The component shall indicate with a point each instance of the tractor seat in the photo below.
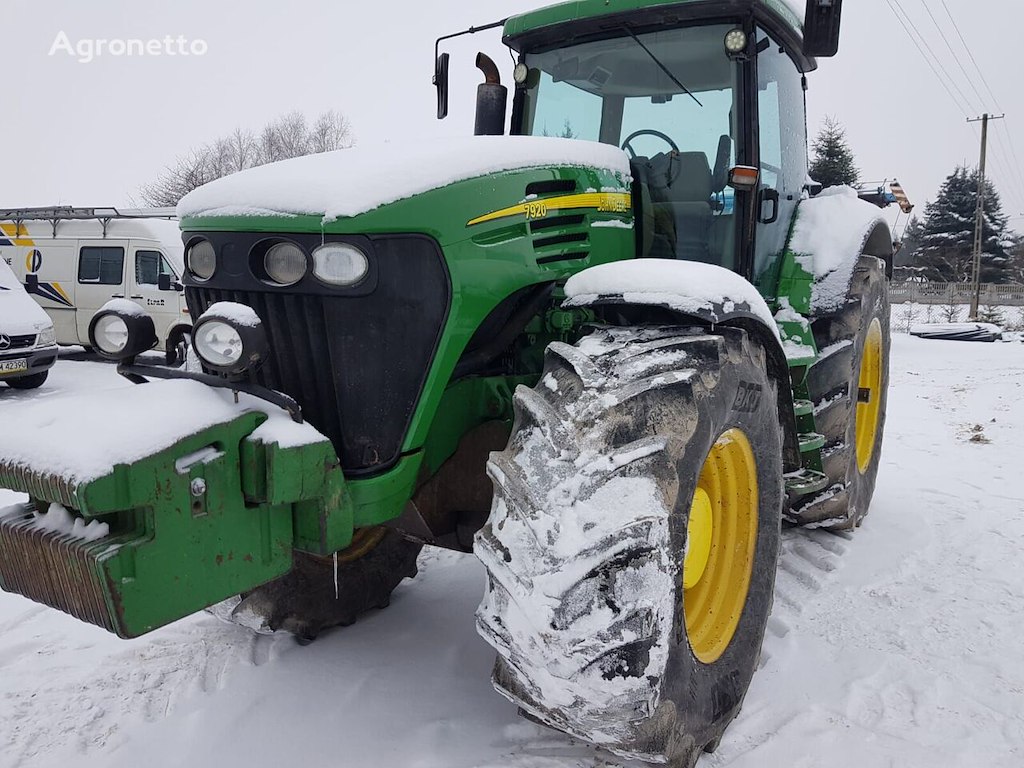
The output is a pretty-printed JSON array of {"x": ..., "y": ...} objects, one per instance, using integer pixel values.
[{"x": 684, "y": 203}]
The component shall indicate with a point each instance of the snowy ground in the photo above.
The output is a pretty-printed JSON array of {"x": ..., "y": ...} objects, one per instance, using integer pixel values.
[{"x": 899, "y": 646}]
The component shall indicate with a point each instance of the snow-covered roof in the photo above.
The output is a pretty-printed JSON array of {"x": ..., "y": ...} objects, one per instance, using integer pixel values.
[{"x": 348, "y": 182}]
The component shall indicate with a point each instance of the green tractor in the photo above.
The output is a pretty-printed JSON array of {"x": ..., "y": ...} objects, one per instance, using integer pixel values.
[{"x": 610, "y": 365}]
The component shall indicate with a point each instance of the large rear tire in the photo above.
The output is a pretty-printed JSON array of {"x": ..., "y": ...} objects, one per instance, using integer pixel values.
[
  {"x": 633, "y": 538},
  {"x": 849, "y": 386}
]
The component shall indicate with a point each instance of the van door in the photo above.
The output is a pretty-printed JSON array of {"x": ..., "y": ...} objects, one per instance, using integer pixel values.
[
  {"x": 149, "y": 263},
  {"x": 101, "y": 277}
]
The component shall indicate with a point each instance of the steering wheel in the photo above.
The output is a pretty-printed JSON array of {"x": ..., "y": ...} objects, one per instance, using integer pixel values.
[{"x": 647, "y": 132}]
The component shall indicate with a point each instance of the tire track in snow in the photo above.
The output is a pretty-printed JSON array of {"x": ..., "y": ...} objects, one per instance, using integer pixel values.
[{"x": 84, "y": 709}]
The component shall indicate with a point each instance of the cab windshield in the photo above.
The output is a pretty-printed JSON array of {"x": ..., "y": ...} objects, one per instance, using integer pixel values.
[{"x": 668, "y": 98}]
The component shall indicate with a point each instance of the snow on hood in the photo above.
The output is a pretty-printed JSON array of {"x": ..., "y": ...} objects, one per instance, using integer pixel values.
[
  {"x": 348, "y": 182},
  {"x": 831, "y": 231},
  {"x": 81, "y": 436},
  {"x": 685, "y": 286},
  {"x": 19, "y": 313}
]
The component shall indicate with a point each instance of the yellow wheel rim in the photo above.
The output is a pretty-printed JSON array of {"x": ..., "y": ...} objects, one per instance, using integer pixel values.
[
  {"x": 721, "y": 541},
  {"x": 869, "y": 396}
]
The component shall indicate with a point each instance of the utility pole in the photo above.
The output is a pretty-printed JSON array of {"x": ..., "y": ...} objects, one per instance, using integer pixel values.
[{"x": 979, "y": 215}]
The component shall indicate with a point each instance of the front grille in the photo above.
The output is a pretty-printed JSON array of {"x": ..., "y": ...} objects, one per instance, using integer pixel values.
[
  {"x": 299, "y": 363},
  {"x": 19, "y": 342},
  {"x": 354, "y": 360}
]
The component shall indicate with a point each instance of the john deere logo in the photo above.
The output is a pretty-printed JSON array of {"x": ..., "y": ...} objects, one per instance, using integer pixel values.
[
  {"x": 34, "y": 260},
  {"x": 5, "y": 342}
]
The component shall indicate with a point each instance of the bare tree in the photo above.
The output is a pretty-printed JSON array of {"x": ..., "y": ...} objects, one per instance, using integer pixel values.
[
  {"x": 283, "y": 138},
  {"x": 331, "y": 131}
]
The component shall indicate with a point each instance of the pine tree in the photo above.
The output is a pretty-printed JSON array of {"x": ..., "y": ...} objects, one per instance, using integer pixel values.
[
  {"x": 1015, "y": 267},
  {"x": 833, "y": 162},
  {"x": 945, "y": 253}
]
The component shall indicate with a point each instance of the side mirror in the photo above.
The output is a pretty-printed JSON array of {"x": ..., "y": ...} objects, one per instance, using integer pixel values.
[
  {"x": 821, "y": 27},
  {"x": 164, "y": 283},
  {"x": 31, "y": 282},
  {"x": 441, "y": 83}
]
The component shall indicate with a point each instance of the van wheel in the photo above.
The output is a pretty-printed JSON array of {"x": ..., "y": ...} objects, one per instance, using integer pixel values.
[{"x": 28, "y": 382}]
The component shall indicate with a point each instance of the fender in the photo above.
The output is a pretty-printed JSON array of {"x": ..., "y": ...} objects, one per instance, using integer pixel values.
[
  {"x": 670, "y": 292},
  {"x": 831, "y": 232}
]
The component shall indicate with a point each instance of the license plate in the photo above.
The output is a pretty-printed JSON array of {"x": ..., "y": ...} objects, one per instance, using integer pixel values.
[{"x": 13, "y": 366}]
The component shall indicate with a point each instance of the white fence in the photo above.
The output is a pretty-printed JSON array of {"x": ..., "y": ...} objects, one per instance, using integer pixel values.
[{"x": 903, "y": 292}]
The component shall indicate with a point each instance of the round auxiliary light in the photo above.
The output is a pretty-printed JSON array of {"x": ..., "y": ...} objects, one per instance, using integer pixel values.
[
  {"x": 340, "y": 264},
  {"x": 285, "y": 263},
  {"x": 520, "y": 73},
  {"x": 202, "y": 260},
  {"x": 229, "y": 338},
  {"x": 121, "y": 330},
  {"x": 735, "y": 41},
  {"x": 111, "y": 334},
  {"x": 218, "y": 344}
]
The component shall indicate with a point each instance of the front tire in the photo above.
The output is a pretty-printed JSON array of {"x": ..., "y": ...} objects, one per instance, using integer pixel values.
[
  {"x": 28, "y": 382},
  {"x": 324, "y": 592},
  {"x": 633, "y": 539}
]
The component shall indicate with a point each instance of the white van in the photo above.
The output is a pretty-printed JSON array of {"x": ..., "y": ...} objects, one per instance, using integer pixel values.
[
  {"x": 75, "y": 260},
  {"x": 28, "y": 348}
]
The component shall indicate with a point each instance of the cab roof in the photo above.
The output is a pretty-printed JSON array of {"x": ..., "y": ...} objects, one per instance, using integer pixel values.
[{"x": 580, "y": 20}]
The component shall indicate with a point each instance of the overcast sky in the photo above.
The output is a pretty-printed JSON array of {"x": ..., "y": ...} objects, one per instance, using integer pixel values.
[{"x": 93, "y": 133}]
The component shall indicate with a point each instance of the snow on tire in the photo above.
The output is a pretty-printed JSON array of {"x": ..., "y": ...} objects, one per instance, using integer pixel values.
[
  {"x": 589, "y": 529},
  {"x": 834, "y": 383}
]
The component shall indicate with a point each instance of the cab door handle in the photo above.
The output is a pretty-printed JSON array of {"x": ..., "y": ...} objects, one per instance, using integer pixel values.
[
  {"x": 138, "y": 297},
  {"x": 117, "y": 295}
]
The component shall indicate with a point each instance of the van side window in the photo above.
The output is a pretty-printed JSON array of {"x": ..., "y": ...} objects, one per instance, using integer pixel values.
[
  {"x": 149, "y": 265},
  {"x": 101, "y": 264}
]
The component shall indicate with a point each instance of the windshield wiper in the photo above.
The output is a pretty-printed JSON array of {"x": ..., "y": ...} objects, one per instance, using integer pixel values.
[{"x": 663, "y": 67}]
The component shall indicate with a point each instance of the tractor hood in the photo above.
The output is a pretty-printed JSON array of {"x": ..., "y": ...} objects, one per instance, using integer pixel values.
[{"x": 350, "y": 182}]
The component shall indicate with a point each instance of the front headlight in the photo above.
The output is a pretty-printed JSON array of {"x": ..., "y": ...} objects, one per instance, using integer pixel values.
[
  {"x": 340, "y": 264},
  {"x": 121, "y": 330},
  {"x": 46, "y": 338},
  {"x": 285, "y": 263},
  {"x": 229, "y": 338},
  {"x": 202, "y": 260}
]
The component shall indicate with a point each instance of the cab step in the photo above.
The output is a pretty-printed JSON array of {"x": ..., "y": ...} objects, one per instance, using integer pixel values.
[
  {"x": 806, "y": 481},
  {"x": 803, "y": 407},
  {"x": 811, "y": 441}
]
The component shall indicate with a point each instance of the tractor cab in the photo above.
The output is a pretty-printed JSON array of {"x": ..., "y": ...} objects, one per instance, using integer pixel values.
[
  {"x": 682, "y": 90},
  {"x": 707, "y": 99}
]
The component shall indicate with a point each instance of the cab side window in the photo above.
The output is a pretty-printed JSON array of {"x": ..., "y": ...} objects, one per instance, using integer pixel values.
[
  {"x": 103, "y": 265},
  {"x": 149, "y": 265}
]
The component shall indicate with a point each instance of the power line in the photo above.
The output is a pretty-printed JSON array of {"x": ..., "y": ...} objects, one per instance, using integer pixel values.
[
  {"x": 1016, "y": 159},
  {"x": 974, "y": 61},
  {"x": 938, "y": 62},
  {"x": 956, "y": 58}
]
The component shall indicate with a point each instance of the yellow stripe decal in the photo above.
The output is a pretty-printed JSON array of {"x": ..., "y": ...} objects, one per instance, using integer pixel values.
[
  {"x": 58, "y": 289},
  {"x": 609, "y": 202},
  {"x": 11, "y": 230}
]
